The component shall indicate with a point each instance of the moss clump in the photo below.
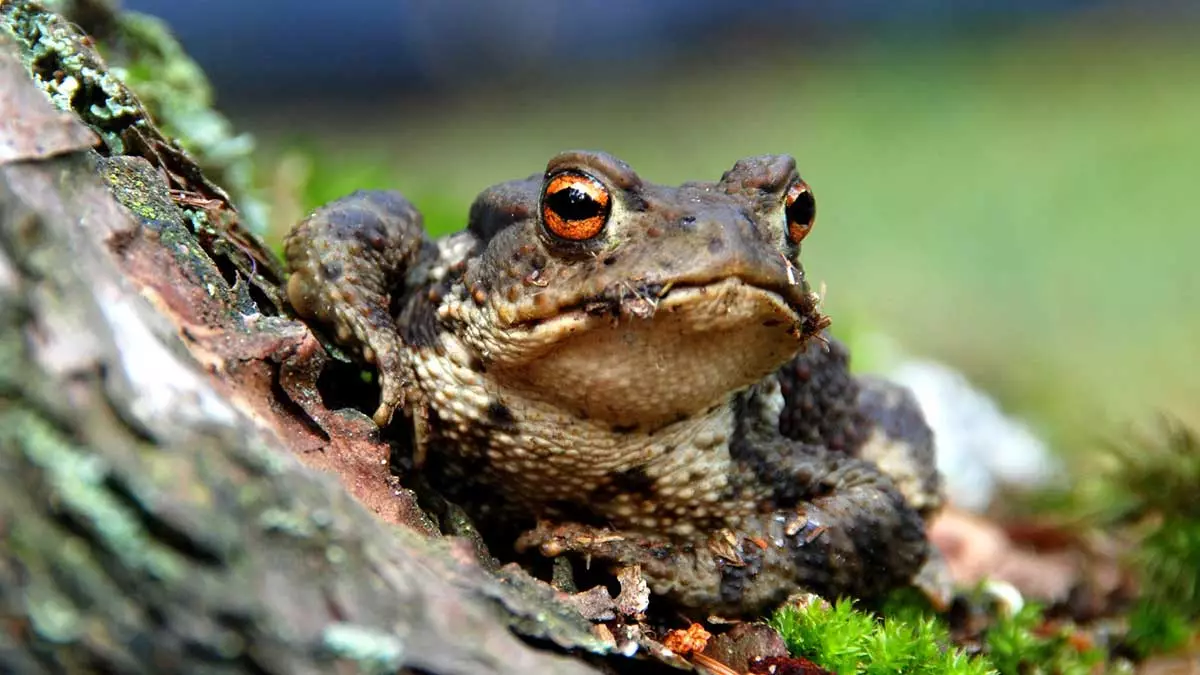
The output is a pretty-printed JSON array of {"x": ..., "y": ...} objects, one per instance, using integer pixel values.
[
  {"x": 1150, "y": 489},
  {"x": 1025, "y": 643},
  {"x": 844, "y": 639},
  {"x": 1147, "y": 494},
  {"x": 1167, "y": 615},
  {"x": 909, "y": 639},
  {"x": 1157, "y": 630}
]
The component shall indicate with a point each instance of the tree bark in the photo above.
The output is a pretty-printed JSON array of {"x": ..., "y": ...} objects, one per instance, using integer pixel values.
[{"x": 153, "y": 402}]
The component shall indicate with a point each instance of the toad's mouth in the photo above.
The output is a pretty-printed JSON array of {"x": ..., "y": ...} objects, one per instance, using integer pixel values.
[{"x": 643, "y": 301}]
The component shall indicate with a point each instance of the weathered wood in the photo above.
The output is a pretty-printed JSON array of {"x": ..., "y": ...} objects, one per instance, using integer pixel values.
[{"x": 153, "y": 516}]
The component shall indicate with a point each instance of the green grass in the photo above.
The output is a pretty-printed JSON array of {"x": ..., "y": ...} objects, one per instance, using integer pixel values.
[{"x": 1018, "y": 205}]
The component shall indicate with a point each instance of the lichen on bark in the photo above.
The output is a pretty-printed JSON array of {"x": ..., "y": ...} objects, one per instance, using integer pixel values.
[
  {"x": 154, "y": 397},
  {"x": 66, "y": 64}
]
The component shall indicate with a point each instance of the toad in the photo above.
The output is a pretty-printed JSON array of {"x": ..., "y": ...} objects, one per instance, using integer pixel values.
[{"x": 633, "y": 374}]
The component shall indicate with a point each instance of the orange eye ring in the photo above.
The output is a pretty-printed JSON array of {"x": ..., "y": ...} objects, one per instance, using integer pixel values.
[
  {"x": 801, "y": 210},
  {"x": 575, "y": 206}
]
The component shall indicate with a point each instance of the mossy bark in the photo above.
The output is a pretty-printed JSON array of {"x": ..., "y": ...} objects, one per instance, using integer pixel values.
[{"x": 153, "y": 402}]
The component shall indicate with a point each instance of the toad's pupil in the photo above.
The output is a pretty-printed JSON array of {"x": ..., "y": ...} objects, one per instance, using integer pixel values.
[{"x": 572, "y": 203}]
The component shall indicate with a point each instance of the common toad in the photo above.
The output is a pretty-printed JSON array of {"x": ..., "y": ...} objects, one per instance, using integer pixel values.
[{"x": 636, "y": 374}]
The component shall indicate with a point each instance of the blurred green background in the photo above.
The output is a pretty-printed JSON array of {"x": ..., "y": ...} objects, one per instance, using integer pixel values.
[{"x": 1012, "y": 198}]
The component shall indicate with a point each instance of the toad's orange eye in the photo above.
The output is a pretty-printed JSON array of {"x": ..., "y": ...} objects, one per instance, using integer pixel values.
[
  {"x": 801, "y": 210},
  {"x": 575, "y": 206}
]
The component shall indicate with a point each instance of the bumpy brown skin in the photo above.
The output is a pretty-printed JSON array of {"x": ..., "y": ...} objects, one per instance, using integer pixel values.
[{"x": 661, "y": 394}]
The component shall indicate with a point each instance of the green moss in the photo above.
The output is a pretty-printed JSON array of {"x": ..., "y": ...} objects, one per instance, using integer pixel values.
[
  {"x": 1022, "y": 643},
  {"x": 1154, "y": 475},
  {"x": 1169, "y": 565},
  {"x": 1167, "y": 614},
  {"x": 1149, "y": 490},
  {"x": 846, "y": 640},
  {"x": 907, "y": 638},
  {"x": 1158, "y": 629}
]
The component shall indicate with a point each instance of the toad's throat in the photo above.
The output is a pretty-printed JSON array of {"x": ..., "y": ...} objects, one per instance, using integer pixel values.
[{"x": 702, "y": 344}]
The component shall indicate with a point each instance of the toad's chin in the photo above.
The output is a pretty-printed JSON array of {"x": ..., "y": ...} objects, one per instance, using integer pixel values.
[{"x": 652, "y": 362}]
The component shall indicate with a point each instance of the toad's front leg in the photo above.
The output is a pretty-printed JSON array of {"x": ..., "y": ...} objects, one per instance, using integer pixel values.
[{"x": 349, "y": 260}]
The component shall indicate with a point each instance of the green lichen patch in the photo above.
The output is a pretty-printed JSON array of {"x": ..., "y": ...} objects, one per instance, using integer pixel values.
[
  {"x": 151, "y": 62},
  {"x": 373, "y": 651},
  {"x": 139, "y": 187},
  {"x": 65, "y": 63},
  {"x": 61, "y": 62},
  {"x": 78, "y": 482}
]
